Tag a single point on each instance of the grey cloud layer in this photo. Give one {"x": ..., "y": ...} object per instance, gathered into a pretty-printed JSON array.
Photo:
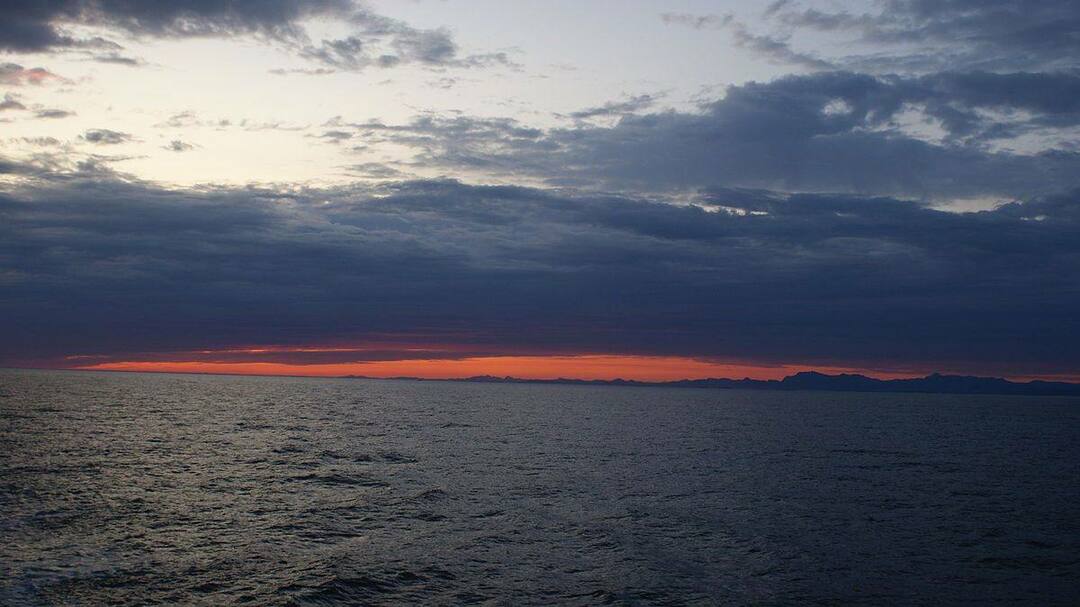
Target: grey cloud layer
[
  {"x": 31, "y": 25},
  {"x": 375, "y": 41},
  {"x": 951, "y": 34},
  {"x": 913, "y": 35},
  {"x": 92, "y": 265},
  {"x": 833, "y": 131}
]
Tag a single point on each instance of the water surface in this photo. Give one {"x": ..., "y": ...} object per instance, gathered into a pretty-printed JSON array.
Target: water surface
[{"x": 165, "y": 489}]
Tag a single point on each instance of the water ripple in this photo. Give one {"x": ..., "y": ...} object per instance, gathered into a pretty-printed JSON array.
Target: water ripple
[{"x": 148, "y": 489}]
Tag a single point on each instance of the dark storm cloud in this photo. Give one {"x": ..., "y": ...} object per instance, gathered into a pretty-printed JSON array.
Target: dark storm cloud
[
  {"x": 936, "y": 34},
  {"x": 833, "y": 131},
  {"x": 98, "y": 266}
]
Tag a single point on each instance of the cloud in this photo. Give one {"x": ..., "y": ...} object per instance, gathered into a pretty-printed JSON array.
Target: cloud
[
  {"x": 774, "y": 49},
  {"x": 374, "y": 170},
  {"x": 385, "y": 43},
  {"x": 53, "y": 113},
  {"x": 13, "y": 74},
  {"x": 374, "y": 40},
  {"x": 771, "y": 48},
  {"x": 955, "y": 35},
  {"x": 34, "y": 26},
  {"x": 322, "y": 71},
  {"x": 189, "y": 119},
  {"x": 105, "y": 137},
  {"x": 41, "y": 141},
  {"x": 445, "y": 83},
  {"x": 118, "y": 59},
  {"x": 335, "y": 136},
  {"x": 925, "y": 137},
  {"x": 11, "y": 102},
  {"x": 914, "y": 36},
  {"x": 695, "y": 21},
  {"x": 177, "y": 145},
  {"x": 110, "y": 267},
  {"x": 617, "y": 108}
]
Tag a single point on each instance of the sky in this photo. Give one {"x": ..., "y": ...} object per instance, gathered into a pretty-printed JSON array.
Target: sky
[{"x": 598, "y": 189}]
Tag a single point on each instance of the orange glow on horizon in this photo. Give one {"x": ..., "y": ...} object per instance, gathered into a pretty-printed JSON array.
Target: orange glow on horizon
[{"x": 603, "y": 367}]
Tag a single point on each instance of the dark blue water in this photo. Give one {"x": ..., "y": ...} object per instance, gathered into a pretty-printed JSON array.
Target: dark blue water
[{"x": 155, "y": 489}]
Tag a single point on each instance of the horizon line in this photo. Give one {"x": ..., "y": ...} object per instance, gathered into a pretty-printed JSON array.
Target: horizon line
[{"x": 595, "y": 381}]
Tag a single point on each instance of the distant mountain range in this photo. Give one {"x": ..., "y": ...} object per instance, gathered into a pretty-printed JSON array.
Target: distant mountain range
[{"x": 812, "y": 380}]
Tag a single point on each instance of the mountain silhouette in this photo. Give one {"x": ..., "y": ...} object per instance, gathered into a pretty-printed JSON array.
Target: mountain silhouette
[{"x": 812, "y": 380}]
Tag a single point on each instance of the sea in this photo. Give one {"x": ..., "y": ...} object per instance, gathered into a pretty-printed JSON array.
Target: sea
[{"x": 153, "y": 489}]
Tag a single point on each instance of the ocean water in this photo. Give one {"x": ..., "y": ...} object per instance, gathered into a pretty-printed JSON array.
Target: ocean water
[{"x": 127, "y": 489}]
